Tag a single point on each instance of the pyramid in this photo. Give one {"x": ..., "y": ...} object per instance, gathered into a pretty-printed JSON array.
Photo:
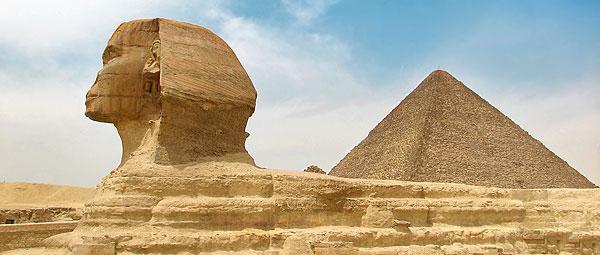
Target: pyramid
[{"x": 445, "y": 132}]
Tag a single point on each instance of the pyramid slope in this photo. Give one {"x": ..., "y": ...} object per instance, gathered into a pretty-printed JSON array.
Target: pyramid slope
[{"x": 444, "y": 132}]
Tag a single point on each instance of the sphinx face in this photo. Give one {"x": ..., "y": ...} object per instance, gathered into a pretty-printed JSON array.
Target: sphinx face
[{"x": 118, "y": 92}]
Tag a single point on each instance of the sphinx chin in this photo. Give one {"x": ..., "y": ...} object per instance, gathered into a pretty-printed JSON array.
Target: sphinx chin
[
  {"x": 101, "y": 116},
  {"x": 96, "y": 116},
  {"x": 94, "y": 109}
]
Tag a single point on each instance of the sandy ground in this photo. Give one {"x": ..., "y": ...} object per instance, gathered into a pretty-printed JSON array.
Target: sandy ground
[{"x": 32, "y": 195}]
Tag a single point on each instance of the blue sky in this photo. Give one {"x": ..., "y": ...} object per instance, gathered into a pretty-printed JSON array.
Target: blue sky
[
  {"x": 518, "y": 35},
  {"x": 326, "y": 73}
]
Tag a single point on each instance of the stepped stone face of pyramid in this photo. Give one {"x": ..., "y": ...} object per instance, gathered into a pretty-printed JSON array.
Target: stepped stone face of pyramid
[{"x": 445, "y": 132}]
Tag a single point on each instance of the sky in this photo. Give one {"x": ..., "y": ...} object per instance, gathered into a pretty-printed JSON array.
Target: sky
[{"x": 326, "y": 73}]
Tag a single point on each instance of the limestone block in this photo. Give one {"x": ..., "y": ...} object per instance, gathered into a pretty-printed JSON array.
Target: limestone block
[
  {"x": 416, "y": 215},
  {"x": 594, "y": 217},
  {"x": 94, "y": 249},
  {"x": 476, "y": 215},
  {"x": 297, "y": 245},
  {"x": 491, "y": 250},
  {"x": 572, "y": 246},
  {"x": 378, "y": 218},
  {"x": 336, "y": 251},
  {"x": 335, "y": 248}
]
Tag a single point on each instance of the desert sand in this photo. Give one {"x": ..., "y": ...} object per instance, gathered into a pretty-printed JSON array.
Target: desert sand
[
  {"x": 38, "y": 211},
  {"x": 34, "y": 195}
]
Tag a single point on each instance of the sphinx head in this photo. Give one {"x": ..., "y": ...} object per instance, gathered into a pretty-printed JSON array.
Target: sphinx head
[
  {"x": 122, "y": 91},
  {"x": 181, "y": 81}
]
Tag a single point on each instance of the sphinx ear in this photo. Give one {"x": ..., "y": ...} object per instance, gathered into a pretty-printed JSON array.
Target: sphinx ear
[
  {"x": 151, "y": 72},
  {"x": 153, "y": 62}
]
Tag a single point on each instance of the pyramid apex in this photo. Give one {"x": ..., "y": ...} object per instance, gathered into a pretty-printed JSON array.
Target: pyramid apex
[{"x": 440, "y": 75}]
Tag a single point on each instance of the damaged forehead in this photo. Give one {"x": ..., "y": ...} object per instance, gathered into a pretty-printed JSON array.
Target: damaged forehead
[
  {"x": 136, "y": 33},
  {"x": 195, "y": 65}
]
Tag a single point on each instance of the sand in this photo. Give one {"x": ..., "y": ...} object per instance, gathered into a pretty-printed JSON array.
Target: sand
[{"x": 34, "y": 195}]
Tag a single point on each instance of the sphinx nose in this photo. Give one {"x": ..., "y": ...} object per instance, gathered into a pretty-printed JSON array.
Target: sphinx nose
[
  {"x": 97, "y": 75},
  {"x": 94, "y": 89}
]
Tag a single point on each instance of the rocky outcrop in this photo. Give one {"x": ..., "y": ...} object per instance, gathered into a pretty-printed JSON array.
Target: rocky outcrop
[
  {"x": 27, "y": 236},
  {"x": 314, "y": 169},
  {"x": 36, "y": 215},
  {"x": 445, "y": 132}
]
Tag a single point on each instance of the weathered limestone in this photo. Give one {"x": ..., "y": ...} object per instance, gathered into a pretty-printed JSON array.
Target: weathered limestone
[
  {"x": 314, "y": 169},
  {"x": 159, "y": 80},
  {"x": 40, "y": 214},
  {"x": 17, "y": 236},
  {"x": 256, "y": 210},
  {"x": 444, "y": 132},
  {"x": 297, "y": 245},
  {"x": 187, "y": 185}
]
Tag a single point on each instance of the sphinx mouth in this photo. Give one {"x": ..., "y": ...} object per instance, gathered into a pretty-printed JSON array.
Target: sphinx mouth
[
  {"x": 89, "y": 98},
  {"x": 97, "y": 116}
]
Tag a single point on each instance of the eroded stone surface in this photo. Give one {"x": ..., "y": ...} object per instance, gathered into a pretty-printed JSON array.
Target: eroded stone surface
[
  {"x": 214, "y": 207},
  {"x": 314, "y": 169},
  {"x": 16, "y": 236},
  {"x": 36, "y": 215},
  {"x": 297, "y": 245},
  {"x": 161, "y": 80},
  {"x": 94, "y": 249}
]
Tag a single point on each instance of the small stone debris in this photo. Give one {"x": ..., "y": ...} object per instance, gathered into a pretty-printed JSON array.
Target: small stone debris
[
  {"x": 314, "y": 169},
  {"x": 401, "y": 223}
]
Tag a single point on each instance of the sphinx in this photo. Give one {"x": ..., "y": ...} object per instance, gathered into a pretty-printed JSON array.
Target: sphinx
[
  {"x": 160, "y": 81},
  {"x": 180, "y": 100}
]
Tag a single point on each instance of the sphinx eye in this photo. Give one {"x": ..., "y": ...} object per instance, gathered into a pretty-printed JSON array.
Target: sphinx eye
[{"x": 110, "y": 53}]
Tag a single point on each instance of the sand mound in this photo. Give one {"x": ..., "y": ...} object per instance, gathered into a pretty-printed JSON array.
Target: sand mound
[{"x": 26, "y": 195}]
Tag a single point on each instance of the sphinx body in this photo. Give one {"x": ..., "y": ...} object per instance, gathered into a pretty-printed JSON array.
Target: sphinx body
[{"x": 180, "y": 101}]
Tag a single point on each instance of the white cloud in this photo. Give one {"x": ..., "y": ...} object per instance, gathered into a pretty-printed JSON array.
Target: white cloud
[
  {"x": 43, "y": 27},
  {"x": 45, "y": 137},
  {"x": 44, "y": 75},
  {"x": 565, "y": 120},
  {"x": 306, "y": 11},
  {"x": 307, "y": 94}
]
